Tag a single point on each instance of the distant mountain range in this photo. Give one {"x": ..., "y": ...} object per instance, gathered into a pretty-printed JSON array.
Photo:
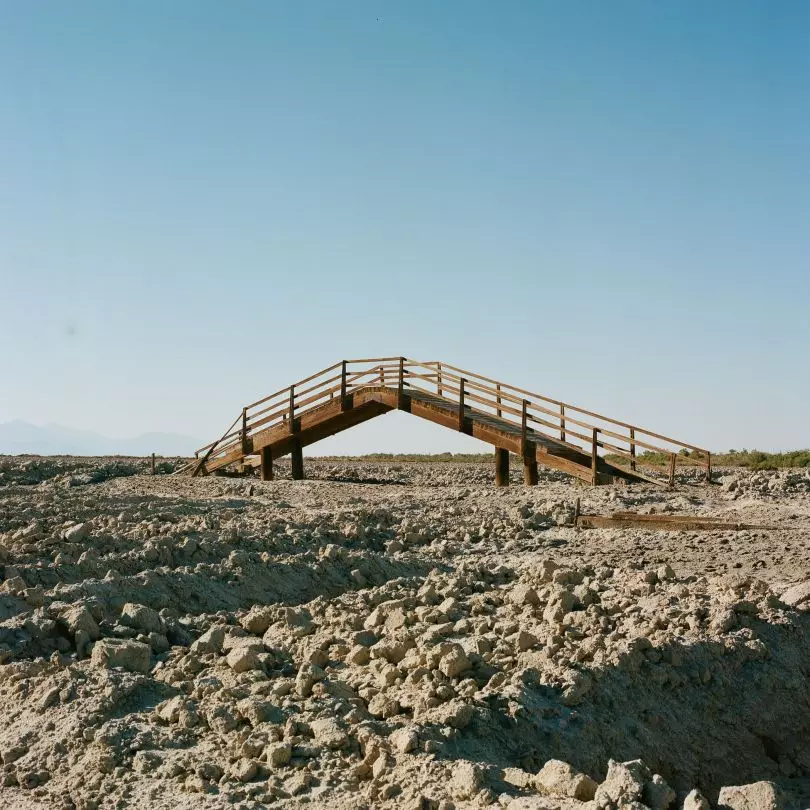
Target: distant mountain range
[{"x": 20, "y": 437}]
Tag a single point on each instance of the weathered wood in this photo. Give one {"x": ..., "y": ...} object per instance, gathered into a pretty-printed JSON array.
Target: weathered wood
[
  {"x": 501, "y": 467},
  {"x": 266, "y": 454},
  {"x": 679, "y": 523},
  {"x": 530, "y": 473},
  {"x": 152, "y": 464},
  {"x": 523, "y": 429},
  {"x": 672, "y": 470},
  {"x": 357, "y": 395},
  {"x": 297, "y": 461},
  {"x": 633, "y": 448},
  {"x": 461, "y": 406}
]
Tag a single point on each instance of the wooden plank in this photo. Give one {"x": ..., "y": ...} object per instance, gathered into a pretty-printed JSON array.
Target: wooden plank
[
  {"x": 530, "y": 474},
  {"x": 501, "y": 467},
  {"x": 297, "y": 461},
  {"x": 679, "y": 523},
  {"x": 266, "y": 464}
]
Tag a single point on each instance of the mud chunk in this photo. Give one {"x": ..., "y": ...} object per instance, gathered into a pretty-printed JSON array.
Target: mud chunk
[
  {"x": 658, "y": 795},
  {"x": 695, "y": 800},
  {"x": 124, "y": 653},
  {"x": 467, "y": 780},
  {"x": 756, "y": 796},
  {"x": 558, "y": 778},
  {"x": 245, "y": 656},
  {"x": 258, "y": 619},
  {"x": 141, "y": 617},
  {"x": 211, "y": 640},
  {"x": 278, "y": 754},
  {"x": 76, "y": 533},
  {"x": 454, "y": 661},
  {"x": 798, "y": 596},
  {"x": 523, "y": 594},
  {"x": 79, "y": 620},
  {"x": 404, "y": 740},
  {"x": 623, "y": 784}
]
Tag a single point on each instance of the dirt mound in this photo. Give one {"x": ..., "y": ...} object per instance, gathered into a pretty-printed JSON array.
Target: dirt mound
[{"x": 398, "y": 635}]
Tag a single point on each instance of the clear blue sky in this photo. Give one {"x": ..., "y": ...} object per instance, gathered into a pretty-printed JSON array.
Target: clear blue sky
[{"x": 607, "y": 202}]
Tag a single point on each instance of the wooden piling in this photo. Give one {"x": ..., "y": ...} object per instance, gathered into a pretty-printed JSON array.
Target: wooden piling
[
  {"x": 152, "y": 464},
  {"x": 267, "y": 463},
  {"x": 297, "y": 458},
  {"x": 501, "y": 467},
  {"x": 530, "y": 475}
]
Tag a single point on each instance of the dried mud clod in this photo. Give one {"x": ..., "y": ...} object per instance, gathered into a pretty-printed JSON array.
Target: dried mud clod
[{"x": 389, "y": 635}]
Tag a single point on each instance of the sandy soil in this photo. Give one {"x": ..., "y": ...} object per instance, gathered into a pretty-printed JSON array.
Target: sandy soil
[{"x": 398, "y": 635}]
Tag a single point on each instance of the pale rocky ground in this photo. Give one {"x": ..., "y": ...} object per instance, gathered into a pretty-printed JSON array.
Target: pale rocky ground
[{"x": 398, "y": 636}]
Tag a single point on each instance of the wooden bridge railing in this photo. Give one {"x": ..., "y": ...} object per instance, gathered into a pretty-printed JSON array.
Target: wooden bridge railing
[{"x": 562, "y": 423}]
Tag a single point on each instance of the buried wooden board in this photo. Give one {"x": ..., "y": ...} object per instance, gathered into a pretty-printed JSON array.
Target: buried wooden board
[{"x": 676, "y": 523}]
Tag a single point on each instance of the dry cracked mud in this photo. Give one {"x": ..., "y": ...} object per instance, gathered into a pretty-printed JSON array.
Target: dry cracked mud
[{"x": 398, "y": 636}]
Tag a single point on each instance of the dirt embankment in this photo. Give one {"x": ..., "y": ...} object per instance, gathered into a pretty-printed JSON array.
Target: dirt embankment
[{"x": 403, "y": 635}]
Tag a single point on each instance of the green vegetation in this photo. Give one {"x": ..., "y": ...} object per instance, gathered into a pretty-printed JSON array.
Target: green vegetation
[{"x": 752, "y": 459}]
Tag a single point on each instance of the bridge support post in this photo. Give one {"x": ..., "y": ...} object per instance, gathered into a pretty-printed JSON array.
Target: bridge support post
[
  {"x": 297, "y": 458},
  {"x": 530, "y": 476},
  {"x": 267, "y": 464},
  {"x": 501, "y": 467}
]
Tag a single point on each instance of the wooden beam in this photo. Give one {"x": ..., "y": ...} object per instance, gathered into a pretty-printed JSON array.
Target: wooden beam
[
  {"x": 530, "y": 476},
  {"x": 267, "y": 463},
  {"x": 562, "y": 422},
  {"x": 594, "y": 457},
  {"x": 343, "y": 385},
  {"x": 291, "y": 417},
  {"x": 501, "y": 467},
  {"x": 297, "y": 461},
  {"x": 461, "y": 406}
]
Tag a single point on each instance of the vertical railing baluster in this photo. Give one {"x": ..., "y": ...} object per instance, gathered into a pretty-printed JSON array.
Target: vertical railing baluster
[
  {"x": 343, "y": 385},
  {"x": 632, "y": 449},
  {"x": 562, "y": 422},
  {"x": 594, "y": 457},
  {"x": 672, "y": 470},
  {"x": 498, "y": 400},
  {"x": 291, "y": 418},
  {"x": 523, "y": 425},
  {"x": 439, "y": 379},
  {"x": 461, "y": 405}
]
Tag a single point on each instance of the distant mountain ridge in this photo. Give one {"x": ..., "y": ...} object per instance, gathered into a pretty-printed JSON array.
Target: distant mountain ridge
[{"x": 19, "y": 437}]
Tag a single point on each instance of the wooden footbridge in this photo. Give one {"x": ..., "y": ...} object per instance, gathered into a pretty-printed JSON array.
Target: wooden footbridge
[{"x": 536, "y": 428}]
